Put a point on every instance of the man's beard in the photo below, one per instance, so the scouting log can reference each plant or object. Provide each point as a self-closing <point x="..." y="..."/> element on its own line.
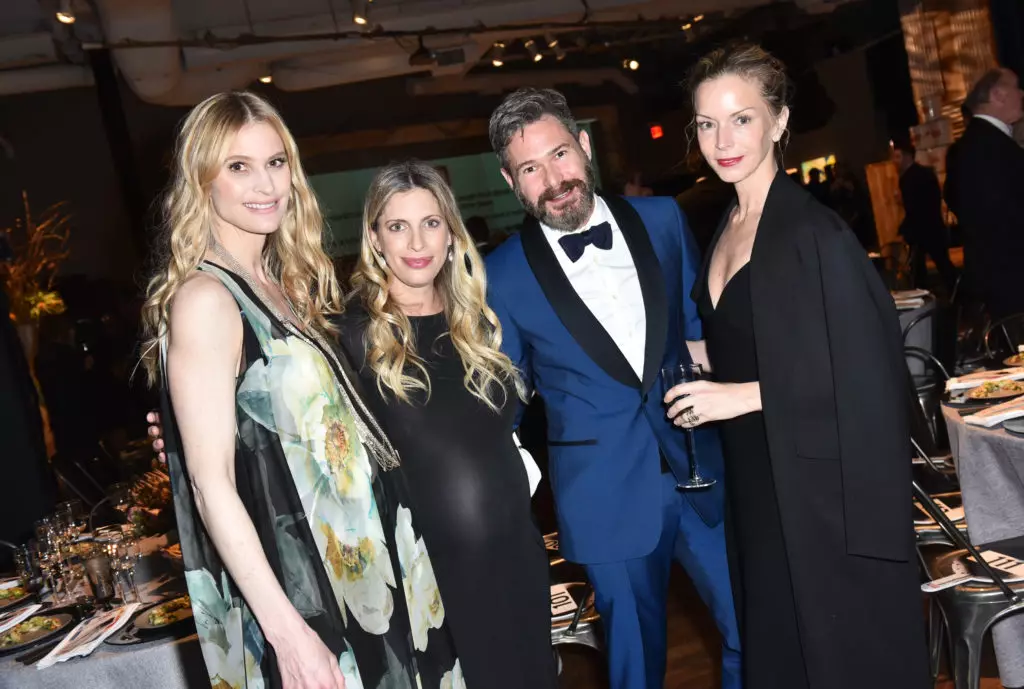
<point x="571" y="218"/>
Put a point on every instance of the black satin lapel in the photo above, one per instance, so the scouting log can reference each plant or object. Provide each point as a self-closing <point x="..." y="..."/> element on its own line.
<point x="570" y="309"/>
<point x="701" y="284"/>
<point x="652" y="284"/>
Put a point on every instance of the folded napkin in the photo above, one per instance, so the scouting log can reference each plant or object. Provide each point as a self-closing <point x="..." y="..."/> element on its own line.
<point x="973" y="380"/>
<point x="993" y="416"/>
<point x="10" y="620"/>
<point x="88" y="635"/>
<point x="909" y="294"/>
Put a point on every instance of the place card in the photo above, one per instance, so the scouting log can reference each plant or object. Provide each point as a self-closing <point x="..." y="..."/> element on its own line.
<point x="1004" y="563"/>
<point x="562" y="602"/>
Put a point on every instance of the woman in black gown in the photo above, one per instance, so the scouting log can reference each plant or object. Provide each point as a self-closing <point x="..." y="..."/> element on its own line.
<point x="448" y="400"/>
<point x="804" y="344"/>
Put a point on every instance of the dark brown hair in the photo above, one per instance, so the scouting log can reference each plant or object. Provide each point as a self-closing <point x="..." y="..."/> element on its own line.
<point x="522" y="108"/>
<point x="981" y="93"/>
<point x="750" y="62"/>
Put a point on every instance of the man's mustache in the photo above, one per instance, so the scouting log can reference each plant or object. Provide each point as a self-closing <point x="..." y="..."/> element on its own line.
<point x="564" y="187"/>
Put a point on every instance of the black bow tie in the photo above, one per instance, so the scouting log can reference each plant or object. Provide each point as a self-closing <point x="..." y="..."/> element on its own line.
<point x="599" y="235"/>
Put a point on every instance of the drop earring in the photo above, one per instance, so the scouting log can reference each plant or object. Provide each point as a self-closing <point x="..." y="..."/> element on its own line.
<point x="451" y="253"/>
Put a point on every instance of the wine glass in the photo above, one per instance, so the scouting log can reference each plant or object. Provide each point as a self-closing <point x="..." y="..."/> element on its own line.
<point x="120" y="495"/>
<point x="125" y="557"/>
<point x="670" y="377"/>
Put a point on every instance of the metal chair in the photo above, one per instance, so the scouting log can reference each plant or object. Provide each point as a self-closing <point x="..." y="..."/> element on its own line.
<point x="929" y="388"/>
<point x="1002" y="337"/>
<point x="968" y="610"/>
<point x="583" y="626"/>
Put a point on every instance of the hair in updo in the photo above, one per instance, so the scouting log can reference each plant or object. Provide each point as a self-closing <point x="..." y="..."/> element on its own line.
<point x="750" y="62"/>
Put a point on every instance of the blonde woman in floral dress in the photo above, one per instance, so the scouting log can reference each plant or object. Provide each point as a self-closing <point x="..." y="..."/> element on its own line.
<point x="304" y="570"/>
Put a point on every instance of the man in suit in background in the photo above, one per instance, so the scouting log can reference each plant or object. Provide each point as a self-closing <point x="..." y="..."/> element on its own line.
<point x="923" y="227"/>
<point x="985" y="188"/>
<point x="593" y="296"/>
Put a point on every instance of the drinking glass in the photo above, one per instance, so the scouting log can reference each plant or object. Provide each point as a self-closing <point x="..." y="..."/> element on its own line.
<point x="125" y="557"/>
<point x="100" y="576"/>
<point x="670" y="377"/>
<point x="120" y="495"/>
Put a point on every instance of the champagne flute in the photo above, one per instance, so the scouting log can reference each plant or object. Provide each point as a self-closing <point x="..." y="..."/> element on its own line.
<point x="670" y="377"/>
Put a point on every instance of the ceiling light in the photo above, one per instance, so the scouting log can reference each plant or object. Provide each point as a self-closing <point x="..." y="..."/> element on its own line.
<point x="551" y="40"/>
<point x="698" y="18"/>
<point x="631" y="65"/>
<point x="359" y="12"/>
<point x="533" y="50"/>
<point x="559" y="53"/>
<point x="66" y="15"/>
<point x="686" y="27"/>
<point x="498" y="54"/>
<point x="266" y="79"/>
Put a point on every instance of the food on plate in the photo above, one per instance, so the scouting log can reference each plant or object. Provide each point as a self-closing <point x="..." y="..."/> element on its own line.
<point x="33" y="625"/>
<point x="11" y="593"/>
<point x="166" y="613"/>
<point x="997" y="388"/>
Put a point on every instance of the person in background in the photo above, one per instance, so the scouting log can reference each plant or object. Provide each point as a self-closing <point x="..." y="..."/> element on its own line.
<point x="817" y="186"/>
<point x="810" y="399"/>
<point x="985" y="189"/>
<point x="704" y="203"/>
<point x="420" y="334"/>
<point x="852" y="203"/>
<point x="480" y="232"/>
<point x="923" y="227"/>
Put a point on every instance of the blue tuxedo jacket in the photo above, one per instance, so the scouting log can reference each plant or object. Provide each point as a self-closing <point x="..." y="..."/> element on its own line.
<point x="605" y="425"/>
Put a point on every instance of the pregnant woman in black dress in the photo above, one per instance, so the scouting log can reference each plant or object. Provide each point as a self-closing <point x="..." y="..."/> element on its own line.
<point x="427" y="348"/>
<point x="804" y="344"/>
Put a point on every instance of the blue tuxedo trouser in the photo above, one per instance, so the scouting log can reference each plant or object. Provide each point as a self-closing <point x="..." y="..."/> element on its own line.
<point x="631" y="597"/>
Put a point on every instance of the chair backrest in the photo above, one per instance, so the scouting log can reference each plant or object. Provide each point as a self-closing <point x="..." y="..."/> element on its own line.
<point x="1002" y="337"/>
<point x="925" y="410"/>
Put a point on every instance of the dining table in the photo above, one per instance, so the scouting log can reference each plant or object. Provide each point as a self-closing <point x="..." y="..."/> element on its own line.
<point x="171" y="661"/>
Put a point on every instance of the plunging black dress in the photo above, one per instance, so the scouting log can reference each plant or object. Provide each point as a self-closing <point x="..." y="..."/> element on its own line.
<point x="471" y="498"/>
<point x="761" y="581"/>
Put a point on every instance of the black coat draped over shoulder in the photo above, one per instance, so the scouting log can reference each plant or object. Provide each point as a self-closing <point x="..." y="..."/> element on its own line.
<point x="831" y="369"/>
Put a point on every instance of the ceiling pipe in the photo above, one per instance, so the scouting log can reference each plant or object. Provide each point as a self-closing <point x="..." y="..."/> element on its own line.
<point x="50" y="78"/>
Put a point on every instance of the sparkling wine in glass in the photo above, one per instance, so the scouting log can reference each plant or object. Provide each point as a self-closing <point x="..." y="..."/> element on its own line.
<point x="670" y="377"/>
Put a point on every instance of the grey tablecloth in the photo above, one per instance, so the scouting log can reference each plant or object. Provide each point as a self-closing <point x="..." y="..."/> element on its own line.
<point x="158" y="664"/>
<point x="990" y="464"/>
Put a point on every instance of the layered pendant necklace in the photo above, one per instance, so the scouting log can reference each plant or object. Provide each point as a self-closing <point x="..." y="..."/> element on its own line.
<point x="370" y="433"/>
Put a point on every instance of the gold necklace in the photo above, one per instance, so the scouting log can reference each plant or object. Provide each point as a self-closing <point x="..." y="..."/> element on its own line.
<point x="375" y="440"/>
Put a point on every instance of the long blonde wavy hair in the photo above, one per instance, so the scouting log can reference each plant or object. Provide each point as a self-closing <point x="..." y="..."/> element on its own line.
<point x="293" y="256"/>
<point x="473" y="327"/>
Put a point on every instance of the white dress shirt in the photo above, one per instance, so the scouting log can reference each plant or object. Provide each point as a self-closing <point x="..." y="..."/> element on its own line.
<point x="998" y="124"/>
<point x="607" y="282"/>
